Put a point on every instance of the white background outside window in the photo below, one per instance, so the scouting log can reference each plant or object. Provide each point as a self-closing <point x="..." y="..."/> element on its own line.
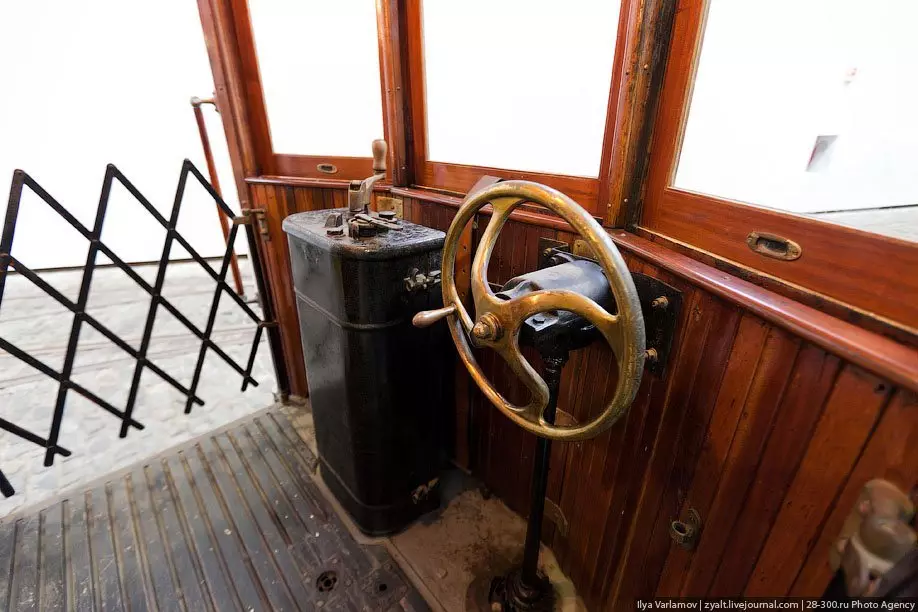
<point x="88" y="83"/>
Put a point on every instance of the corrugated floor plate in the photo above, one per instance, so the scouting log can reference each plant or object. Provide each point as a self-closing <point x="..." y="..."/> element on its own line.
<point x="230" y="522"/>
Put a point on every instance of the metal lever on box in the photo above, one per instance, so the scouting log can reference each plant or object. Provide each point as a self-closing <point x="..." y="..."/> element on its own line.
<point x="358" y="193"/>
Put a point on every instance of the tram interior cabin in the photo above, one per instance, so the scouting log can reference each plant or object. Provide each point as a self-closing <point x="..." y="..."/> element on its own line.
<point x="586" y="305"/>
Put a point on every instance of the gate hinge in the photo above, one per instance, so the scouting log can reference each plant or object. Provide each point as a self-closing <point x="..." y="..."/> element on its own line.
<point x="267" y="324"/>
<point x="259" y="215"/>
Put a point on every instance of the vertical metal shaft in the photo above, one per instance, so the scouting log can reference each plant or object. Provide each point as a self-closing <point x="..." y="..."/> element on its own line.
<point x="552" y="375"/>
<point x="215" y="182"/>
<point x="267" y="314"/>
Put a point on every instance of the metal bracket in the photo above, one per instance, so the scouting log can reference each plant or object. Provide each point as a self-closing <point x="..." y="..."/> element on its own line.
<point x="418" y="281"/>
<point x="660" y="303"/>
<point x="260" y="220"/>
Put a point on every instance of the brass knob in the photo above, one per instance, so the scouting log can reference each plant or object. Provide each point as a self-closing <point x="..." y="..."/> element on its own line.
<point x="488" y="327"/>
<point x="380" y="149"/>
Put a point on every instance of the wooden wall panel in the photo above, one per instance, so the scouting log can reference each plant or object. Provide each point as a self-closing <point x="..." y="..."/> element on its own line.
<point x="738" y="429"/>
<point x="764" y="433"/>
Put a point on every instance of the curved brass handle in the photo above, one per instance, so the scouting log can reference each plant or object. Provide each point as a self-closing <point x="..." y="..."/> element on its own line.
<point x="498" y="322"/>
<point x="427" y="318"/>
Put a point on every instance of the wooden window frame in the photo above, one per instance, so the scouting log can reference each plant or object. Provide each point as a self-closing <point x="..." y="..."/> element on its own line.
<point x="869" y="273"/>
<point x="270" y="163"/>
<point x="594" y="194"/>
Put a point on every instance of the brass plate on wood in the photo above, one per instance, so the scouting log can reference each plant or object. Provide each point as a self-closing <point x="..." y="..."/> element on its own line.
<point x="583" y="249"/>
<point x="385" y="203"/>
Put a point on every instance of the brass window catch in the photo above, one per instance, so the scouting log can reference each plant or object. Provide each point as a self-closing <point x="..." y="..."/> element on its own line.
<point x="774" y="246"/>
<point x="260" y="219"/>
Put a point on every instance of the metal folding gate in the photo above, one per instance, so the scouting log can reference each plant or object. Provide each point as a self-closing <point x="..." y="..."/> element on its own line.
<point x="52" y="443"/>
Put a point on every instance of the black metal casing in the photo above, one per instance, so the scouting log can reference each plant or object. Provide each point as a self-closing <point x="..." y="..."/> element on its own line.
<point x="377" y="384"/>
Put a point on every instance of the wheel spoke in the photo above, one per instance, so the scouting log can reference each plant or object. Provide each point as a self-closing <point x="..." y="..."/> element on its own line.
<point x="481" y="293"/>
<point x="510" y="353"/>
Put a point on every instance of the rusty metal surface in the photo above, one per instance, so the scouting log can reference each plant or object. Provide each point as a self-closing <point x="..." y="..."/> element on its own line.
<point x="230" y="522"/>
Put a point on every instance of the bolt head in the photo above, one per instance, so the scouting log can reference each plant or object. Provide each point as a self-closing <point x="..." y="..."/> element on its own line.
<point x="482" y="331"/>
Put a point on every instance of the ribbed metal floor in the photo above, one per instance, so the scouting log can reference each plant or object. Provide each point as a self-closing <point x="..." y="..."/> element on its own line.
<point x="231" y="522"/>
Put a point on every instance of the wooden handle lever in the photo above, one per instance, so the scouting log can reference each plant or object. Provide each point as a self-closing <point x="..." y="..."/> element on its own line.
<point x="380" y="150"/>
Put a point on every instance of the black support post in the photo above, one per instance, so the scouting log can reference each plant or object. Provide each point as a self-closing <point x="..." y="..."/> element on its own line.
<point x="524" y="588"/>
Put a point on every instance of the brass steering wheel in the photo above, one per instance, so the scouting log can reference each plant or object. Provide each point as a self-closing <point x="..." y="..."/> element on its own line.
<point x="498" y="321"/>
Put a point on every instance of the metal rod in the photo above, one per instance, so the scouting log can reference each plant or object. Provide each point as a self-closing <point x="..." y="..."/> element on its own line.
<point x="211" y="319"/>
<point x="540" y="470"/>
<point x="70" y="356"/>
<point x="215" y="182"/>
<point x="267" y="314"/>
<point x="5" y="487"/>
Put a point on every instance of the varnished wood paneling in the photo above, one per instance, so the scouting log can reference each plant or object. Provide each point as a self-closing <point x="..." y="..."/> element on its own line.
<point x="739" y="430"/>
<point x="892" y="453"/>
<point x="814" y="374"/>
<point x="845" y="426"/>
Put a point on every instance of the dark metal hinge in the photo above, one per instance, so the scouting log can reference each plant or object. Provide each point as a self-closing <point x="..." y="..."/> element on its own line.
<point x="261" y="221"/>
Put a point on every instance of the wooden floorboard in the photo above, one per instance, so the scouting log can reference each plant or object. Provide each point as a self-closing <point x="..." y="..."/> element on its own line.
<point x="232" y="521"/>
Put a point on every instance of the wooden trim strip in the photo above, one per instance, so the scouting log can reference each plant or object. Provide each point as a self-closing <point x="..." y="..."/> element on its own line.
<point x="526" y="216"/>
<point x="396" y="92"/>
<point x="298" y="181"/>
<point x="648" y="32"/>
<point x="868" y="271"/>
<point x="257" y="116"/>
<point x="460" y="178"/>
<point x="306" y="166"/>
<point x="301" y="181"/>
<point x="616" y="115"/>
<point x="824" y="303"/>
<point x="886" y="358"/>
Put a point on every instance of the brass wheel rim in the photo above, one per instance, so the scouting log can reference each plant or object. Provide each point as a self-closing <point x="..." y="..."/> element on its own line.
<point x="499" y="321"/>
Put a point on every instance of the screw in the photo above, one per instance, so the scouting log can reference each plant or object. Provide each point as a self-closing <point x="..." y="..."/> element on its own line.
<point x="660" y="303"/>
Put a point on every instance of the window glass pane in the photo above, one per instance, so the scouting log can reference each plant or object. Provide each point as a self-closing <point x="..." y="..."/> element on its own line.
<point x="808" y="106"/>
<point x="319" y="66"/>
<point x="519" y="84"/>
